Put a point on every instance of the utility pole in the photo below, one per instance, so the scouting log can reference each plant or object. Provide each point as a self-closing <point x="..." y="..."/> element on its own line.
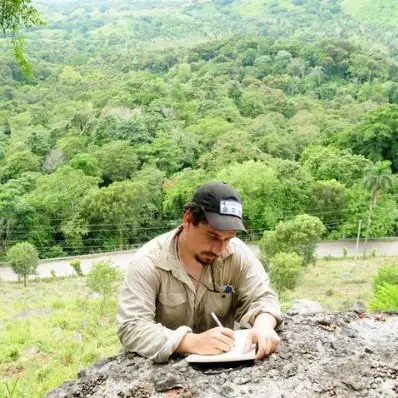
<point x="357" y="245"/>
<point x="367" y="229"/>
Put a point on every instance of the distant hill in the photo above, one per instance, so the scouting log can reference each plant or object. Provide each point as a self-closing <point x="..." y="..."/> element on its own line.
<point x="383" y="12"/>
<point x="144" y="25"/>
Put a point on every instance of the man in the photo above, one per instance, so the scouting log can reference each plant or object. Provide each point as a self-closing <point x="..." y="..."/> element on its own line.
<point x="176" y="280"/>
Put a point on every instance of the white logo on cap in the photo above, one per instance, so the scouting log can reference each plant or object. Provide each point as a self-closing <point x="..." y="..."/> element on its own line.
<point x="231" y="207"/>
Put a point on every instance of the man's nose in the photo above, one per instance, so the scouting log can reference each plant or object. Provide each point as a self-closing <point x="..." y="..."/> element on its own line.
<point x="218" y="247"/>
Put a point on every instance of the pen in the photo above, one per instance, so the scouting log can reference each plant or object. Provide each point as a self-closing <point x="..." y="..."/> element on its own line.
<point x="216" y="319"/>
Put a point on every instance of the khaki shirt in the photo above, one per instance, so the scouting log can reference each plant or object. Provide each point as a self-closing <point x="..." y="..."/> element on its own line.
<point x="159" y="303"/>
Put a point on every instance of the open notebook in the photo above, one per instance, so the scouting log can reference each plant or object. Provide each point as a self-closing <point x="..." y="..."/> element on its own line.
<point x="235" y="354"/>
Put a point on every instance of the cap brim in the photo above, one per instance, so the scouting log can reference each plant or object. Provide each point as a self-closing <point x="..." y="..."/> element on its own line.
<point x="223" y="222"/>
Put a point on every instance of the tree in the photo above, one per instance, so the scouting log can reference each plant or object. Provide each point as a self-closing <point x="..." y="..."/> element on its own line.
<point x="24" y="259"/>
<point x="356" y="207"/>
<point x="59" y="194"/>
<point x="17" y="161"/>
<point x="122" y="169"/>
<point x="376" y="137"/>
<point x="15" y="14"/>
<point x="230" y="149"/>
<point x="72" y="145"/>
<point x="377" y="179"/>
<point x="179" y="190"/>
<point x="56" y="200"/>
<point x="14" y="210"/>
<point x="114" y="214"/>
<point x="261" y="191"/>
<point x="330" y="163"/>
<point x="285" y="270"/>
<point x="103" y="279"/>
<point x="327" y="199"/>
<point x="88" y="163"/>
<point x="298" y="235"/>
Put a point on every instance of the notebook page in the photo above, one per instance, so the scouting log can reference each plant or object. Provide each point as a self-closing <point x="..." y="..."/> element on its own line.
<point x="235" y="354"/>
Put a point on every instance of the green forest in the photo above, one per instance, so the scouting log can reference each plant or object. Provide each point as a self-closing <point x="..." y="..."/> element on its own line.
<point x="131" y="105"/>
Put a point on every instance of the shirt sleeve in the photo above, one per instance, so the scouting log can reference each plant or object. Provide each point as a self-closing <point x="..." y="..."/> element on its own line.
<point x="137" y="329"/>
<point x="254" y="293"/>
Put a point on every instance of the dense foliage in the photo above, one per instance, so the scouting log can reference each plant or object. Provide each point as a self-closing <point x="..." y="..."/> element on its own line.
<point x="385" y="286"/>
<point x="135" y="104"/>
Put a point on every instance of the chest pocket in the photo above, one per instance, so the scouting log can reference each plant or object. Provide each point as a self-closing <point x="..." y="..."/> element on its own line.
<point x="219" y="303"/>
<point x="171" y="309"/>
<point x="172" y="299"/>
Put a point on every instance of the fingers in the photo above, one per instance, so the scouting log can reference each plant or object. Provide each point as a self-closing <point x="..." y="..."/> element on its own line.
<point x="248" y="344"/>
<point x="224" y="339"/>
<point x="226" y="331"/>
<point x="222" y="346"/>
<point x="267" y="346"/>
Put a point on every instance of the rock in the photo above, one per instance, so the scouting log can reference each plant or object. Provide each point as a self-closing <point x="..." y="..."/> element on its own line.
<point x="305" y="307"/>
<point x="320" y="347"/>
<point x="228" y="390"/>
<point x="241" y="380"/>
<point x="182" y="366"/>
<point x="271" y="390"/>
<point x="355" y="382"/>
<point x="358" y="306"/>
<point x="355" y="359"/>
<point x="167" y="382"/>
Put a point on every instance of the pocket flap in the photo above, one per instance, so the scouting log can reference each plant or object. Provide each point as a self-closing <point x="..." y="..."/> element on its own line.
<point x="172" y="298"/>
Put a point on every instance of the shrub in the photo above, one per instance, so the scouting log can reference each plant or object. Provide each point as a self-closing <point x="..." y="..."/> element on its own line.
<point x="103" y="279"/>
<point x="75" y="264"/>
<point x="24" y="259"/>
<point x="385" y="298"/>
<point x="285" y="269"/>
<point x="386" y="274"/>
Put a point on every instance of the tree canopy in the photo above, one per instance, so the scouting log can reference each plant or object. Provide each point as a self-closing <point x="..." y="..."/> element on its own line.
<point x="129" y="109"/>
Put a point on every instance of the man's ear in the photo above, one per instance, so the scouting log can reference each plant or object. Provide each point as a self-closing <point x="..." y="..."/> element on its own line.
<point x="187" y="219"/>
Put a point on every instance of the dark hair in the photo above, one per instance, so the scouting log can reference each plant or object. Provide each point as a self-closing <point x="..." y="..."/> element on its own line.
<point x="198" y="213"/>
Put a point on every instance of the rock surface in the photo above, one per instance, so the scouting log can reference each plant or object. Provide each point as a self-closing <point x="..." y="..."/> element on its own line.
<point x="321" y="355"/>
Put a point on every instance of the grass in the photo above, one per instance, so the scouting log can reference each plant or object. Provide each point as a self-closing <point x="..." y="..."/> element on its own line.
<point x="336" y="283"/>
<point x="48" y="332"/>
<point x="53" y="328"/>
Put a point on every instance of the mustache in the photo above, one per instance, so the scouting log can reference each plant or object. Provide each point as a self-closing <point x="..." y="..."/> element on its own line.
<point x="210" y="254"/>
<point x="204" y="262"/>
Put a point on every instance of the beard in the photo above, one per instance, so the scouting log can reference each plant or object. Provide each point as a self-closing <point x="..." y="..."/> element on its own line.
<point x="204" y="259"/>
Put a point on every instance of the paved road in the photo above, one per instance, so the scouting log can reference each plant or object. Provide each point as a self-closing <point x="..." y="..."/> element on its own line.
<point x="121" y="259"/>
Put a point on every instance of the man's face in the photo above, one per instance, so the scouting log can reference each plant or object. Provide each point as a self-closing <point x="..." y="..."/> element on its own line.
<point x="204" y="242"/>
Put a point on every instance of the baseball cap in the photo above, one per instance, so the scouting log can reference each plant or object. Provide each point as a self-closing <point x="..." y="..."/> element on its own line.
<point x="222" y="206"/>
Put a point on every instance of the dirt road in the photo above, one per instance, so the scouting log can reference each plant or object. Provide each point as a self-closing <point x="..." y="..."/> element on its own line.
<point x="122" y="259"/>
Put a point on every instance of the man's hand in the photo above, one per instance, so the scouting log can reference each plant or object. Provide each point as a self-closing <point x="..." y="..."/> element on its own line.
<point x="264" y="335"/>
<point x="213" y="341"/>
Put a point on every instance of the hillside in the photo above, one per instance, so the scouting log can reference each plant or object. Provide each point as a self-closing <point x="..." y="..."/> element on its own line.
<point x="293" y="102"/>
